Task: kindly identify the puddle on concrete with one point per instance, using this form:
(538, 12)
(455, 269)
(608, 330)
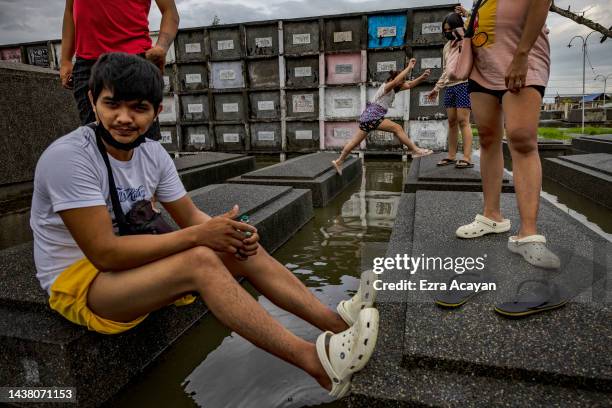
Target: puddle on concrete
(214, 368)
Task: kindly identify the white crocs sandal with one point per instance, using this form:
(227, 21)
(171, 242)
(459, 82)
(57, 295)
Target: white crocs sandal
(483, 226)
(364, 298)
(533, 249)
(349, 351)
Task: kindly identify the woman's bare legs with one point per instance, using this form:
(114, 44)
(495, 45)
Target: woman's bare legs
(522, 114)
(453, 133)
(463, 122)
(348, 148)
(488, 115)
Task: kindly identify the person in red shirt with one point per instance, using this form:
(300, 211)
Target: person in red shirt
(92, 28)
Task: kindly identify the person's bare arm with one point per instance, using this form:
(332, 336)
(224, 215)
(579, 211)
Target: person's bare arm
(91, 228)
(185, 213)
(68, 40)
(167, 33)
(411, 84)
(401, 77)
(516, 74)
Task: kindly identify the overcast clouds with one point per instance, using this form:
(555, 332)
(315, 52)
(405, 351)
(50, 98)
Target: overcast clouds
(34, 20)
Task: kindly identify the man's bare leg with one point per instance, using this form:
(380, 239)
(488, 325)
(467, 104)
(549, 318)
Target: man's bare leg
(280, 286)
(127, 295)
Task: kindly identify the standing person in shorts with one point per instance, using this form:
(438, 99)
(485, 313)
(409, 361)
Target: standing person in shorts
(92, 28)
(456, 101)
(507, 83)
(373, 117)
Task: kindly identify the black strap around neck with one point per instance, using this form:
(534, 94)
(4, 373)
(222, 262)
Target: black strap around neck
(469, 33)
(119, 216)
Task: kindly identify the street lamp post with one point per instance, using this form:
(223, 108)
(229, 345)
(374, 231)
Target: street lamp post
(605, 81)
(584, 46)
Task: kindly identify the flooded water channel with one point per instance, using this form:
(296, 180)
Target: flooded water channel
(214, 368)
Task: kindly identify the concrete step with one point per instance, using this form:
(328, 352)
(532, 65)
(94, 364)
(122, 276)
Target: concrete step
(587, 174)
(313, 171)
(425, 175)
(203, 169)
(593, 144)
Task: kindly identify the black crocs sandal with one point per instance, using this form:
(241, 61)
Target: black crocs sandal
(446, 162)
(464, 164)
(454, 298)
(544, 297)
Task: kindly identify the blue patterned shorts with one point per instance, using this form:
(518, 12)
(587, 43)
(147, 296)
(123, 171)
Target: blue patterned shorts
(457, 96)
(372, 117)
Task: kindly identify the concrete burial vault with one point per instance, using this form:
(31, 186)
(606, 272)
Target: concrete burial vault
(313, 171)
(425, 175)
(471, 356)
(587, 174)
(40, 348)
(202, 169)
(592, 144)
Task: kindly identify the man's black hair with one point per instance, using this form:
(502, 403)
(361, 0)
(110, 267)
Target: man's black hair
(454, 20)
(128, 77)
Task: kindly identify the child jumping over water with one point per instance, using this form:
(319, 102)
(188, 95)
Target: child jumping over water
(373, 117)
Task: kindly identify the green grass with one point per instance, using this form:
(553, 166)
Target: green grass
(564, 134)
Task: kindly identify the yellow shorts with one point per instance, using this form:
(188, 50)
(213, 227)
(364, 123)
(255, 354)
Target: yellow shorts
(69, 298)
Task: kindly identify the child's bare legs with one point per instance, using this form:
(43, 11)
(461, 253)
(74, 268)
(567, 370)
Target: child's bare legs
(348, 148)
(390, 126)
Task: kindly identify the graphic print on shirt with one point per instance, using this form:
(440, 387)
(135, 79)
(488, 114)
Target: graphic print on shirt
(131, 194)
(484, 24)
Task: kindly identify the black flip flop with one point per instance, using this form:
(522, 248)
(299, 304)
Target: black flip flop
(454, 298)
(546, 296)
(446, 162)
(464, 164)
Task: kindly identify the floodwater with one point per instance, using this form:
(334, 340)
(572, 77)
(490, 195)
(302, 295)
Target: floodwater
(214, 368)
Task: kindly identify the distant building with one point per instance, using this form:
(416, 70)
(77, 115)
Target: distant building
(573, 101)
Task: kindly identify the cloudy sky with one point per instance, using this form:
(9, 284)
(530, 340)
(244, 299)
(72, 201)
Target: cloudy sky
(34, 20)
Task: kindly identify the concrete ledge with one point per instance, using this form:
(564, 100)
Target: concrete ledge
(593, 144)
(203, 169)
(589, 175)
(40, 348)
(313, 171)
(425, 175)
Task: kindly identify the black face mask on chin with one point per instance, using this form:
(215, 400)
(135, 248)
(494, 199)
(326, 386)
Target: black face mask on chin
(108, 138)
(449, 35)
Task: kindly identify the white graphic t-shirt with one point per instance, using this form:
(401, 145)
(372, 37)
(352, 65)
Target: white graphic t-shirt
(71, 174)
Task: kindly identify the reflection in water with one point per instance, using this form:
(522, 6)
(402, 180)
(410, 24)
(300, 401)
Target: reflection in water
(228, 371)
(327, 259)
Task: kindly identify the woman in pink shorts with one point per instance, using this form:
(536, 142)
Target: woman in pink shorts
(510, 73)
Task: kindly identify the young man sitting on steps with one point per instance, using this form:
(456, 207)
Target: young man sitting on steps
(110, 283)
